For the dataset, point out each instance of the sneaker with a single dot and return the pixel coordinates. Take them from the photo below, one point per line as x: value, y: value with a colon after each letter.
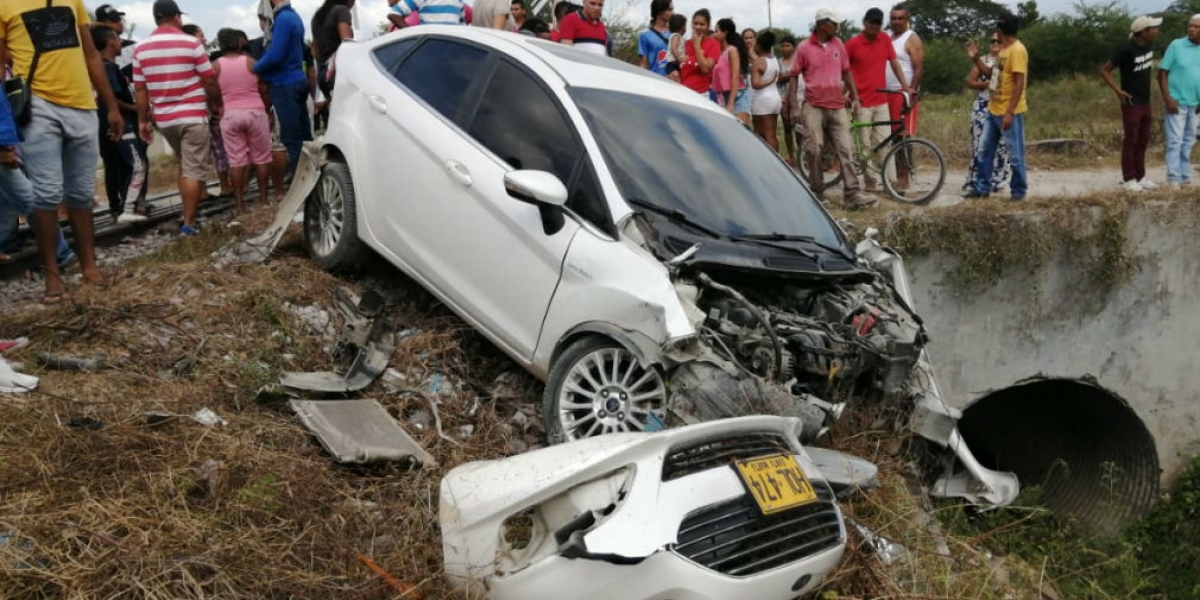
x: 1147, y: 184
x: 973, y: 195
x: 129, y: 217
x: 1132, y: 186
x: 188, y: 230
x: 12, y: 382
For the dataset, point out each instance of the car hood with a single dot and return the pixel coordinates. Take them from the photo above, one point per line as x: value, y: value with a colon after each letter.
x: 669, y: 240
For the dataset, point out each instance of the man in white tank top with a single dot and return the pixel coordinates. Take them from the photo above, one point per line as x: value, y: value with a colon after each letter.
x: 910, y: 53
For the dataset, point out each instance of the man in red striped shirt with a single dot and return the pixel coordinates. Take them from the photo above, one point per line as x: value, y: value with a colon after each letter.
x: 172, y: 75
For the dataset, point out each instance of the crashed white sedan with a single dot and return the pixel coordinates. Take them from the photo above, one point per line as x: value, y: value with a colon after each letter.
x: 621, y: 237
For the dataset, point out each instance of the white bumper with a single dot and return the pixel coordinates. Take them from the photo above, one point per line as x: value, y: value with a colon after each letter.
x: 601, y: 518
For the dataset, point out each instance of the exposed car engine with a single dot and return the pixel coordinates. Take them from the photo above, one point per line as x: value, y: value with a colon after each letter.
x: 810, y: 335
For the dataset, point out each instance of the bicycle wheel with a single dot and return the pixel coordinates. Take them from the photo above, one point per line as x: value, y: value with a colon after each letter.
x: 831, y: 166
x: 914, y: 171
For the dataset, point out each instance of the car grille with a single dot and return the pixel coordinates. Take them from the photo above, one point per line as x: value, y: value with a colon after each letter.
x: 693, y: 458
x: 736, y: 539
x: 801, y: 262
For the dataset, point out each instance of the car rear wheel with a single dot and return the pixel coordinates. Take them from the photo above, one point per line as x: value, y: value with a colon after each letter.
x: 596, y: 387
x: 331, y: 220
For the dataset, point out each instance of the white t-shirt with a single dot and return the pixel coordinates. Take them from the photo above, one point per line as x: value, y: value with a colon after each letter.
x: 486, y: 11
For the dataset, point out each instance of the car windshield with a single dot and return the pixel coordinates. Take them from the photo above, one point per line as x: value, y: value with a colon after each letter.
x: 702, y: 164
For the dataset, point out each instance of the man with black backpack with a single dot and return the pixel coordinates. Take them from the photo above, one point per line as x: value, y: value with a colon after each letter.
x: 56, y: 66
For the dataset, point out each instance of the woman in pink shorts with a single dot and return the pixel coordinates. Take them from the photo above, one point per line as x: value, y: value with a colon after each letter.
x: 245, y: 125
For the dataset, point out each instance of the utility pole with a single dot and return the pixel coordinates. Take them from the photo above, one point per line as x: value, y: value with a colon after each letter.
x: 770, y: 21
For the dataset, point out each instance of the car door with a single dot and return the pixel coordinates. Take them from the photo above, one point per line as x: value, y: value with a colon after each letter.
x: 483, y: 252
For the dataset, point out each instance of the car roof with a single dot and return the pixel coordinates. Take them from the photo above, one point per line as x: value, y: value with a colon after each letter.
x: 575, y: 67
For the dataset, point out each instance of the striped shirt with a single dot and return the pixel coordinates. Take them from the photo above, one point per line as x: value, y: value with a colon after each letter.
x: 439, y: 12
x: 170, y: 64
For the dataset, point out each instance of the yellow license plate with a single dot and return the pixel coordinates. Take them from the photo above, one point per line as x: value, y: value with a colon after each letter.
x: 776, y: 482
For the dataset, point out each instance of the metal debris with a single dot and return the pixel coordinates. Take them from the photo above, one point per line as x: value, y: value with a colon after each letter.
x: 208, y: 418
x: 368, y: 340
x: 359, y: 431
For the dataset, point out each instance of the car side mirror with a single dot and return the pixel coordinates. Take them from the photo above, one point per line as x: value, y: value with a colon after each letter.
x: 543, y: 190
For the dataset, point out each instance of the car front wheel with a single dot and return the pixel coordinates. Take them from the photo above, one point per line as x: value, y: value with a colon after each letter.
x: 330, y: 220
x: 597, y: 387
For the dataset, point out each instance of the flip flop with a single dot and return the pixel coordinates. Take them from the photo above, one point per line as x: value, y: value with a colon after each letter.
x: 52, y: 299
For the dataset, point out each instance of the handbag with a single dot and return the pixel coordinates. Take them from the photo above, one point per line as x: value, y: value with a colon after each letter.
x: 19, y: 90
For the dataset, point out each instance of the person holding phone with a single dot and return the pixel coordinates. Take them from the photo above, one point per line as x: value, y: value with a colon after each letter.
x: 1135, y: 59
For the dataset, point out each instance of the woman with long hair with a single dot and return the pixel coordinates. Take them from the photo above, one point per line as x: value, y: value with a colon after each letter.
x: 765, y: 101
x: 733, y: 67
x: 750, y: 36
x: 981, y: 82
x: 331, y: 25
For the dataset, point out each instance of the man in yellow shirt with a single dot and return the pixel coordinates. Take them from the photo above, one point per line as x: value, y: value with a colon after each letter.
x: 49, y: 42
x: 1006, y: 118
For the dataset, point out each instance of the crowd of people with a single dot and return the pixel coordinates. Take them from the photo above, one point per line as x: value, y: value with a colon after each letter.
x: 77, y: 96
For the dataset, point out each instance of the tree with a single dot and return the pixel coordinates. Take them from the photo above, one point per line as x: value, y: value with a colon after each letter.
x: 1028, y: 13
x: 957, y: 19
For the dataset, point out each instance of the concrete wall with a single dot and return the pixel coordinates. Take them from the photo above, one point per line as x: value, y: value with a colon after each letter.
x: 1143, y: 344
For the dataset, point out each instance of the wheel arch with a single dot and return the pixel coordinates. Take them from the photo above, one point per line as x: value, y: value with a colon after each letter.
x: 642, y: 346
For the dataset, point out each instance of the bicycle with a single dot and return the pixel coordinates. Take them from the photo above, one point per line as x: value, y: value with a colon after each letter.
x: 921, y: 159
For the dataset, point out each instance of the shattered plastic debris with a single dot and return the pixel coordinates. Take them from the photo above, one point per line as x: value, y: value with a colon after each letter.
x: 12, y: 382
x: 889, y: 552
x: 359, y: 431
x: 208, y: 418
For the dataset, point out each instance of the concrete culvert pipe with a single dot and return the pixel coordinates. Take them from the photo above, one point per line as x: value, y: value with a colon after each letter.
x: 1092, y: 455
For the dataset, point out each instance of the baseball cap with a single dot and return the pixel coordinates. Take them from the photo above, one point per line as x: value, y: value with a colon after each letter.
x: 105, y: 13
x: 828, y: 14
x: 1144, y: 22
x: 165, y: 9
x: 874, y: 15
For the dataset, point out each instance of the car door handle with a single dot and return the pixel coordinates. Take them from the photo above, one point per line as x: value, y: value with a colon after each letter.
x: 377, y: 103
x: 459, y: 172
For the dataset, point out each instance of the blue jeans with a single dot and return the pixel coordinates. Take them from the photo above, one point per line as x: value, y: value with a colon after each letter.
x: 1180, y: 130
x: 291, y: 109
x: 1014, y: 140
x: 16, y: 198
x: 61, y: 149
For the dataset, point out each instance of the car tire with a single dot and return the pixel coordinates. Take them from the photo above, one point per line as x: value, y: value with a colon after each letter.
x: 331, y: 221
x: 597, y: 386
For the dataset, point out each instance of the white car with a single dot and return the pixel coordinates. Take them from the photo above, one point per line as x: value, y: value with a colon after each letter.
x: 619, y: 236
x: 687, y: 514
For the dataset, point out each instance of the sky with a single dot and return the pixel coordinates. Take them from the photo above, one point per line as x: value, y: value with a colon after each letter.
x: 796, y: 15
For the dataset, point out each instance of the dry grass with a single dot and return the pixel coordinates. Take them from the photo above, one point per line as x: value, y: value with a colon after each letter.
x: 150, y: 508
x: 256, y: 509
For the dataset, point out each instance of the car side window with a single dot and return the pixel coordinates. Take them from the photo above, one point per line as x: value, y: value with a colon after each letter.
x: 519, y: 122
x: 440, y: 72
x: 389, y: 56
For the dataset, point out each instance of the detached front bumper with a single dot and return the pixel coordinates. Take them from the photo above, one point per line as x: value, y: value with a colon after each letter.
x: 631, y: 516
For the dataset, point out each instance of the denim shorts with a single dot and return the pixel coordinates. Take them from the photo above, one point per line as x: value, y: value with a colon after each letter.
x: 61, y: 150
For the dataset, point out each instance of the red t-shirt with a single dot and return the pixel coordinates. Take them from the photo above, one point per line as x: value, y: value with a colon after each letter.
x: 869, y: 62
x: 822, y: 67
x: 690, y: 74
x: 586, y: 35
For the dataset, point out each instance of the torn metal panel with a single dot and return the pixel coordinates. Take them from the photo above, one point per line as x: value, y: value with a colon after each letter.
x: 359, y: 431
x: 258, y: 249
x: 619, y: 516
x: 368, y: 340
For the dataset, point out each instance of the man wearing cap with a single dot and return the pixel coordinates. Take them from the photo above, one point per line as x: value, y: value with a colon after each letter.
x: 172, y: 77
x: 1179, y: 82
x: 60, y: 148
x: 111, y: 17
x: 823, y: 63
x: 871, y: 56
x: 1135, y: 58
